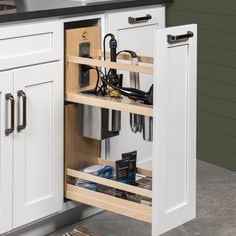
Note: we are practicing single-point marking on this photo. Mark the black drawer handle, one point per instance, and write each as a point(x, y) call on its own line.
point(179, 38)
point(22, 126)
point(137, 20)
point(10, 98)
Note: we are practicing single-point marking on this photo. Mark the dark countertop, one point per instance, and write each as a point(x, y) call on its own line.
point(35, 9)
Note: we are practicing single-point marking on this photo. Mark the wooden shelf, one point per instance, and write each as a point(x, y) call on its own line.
point(123, 104)
point(108, 64)
point(127, 57)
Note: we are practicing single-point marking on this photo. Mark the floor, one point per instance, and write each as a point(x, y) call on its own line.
point(216, 210)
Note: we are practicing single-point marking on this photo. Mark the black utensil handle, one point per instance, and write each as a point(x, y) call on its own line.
point(137, 20)
point(20, 127)
point(179, 38)
point(10, 98)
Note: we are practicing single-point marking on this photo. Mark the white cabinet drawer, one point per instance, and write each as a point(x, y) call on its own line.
point(30, 44)
point(121, 20)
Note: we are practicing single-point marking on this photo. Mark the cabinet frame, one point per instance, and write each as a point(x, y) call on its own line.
point(6, 154)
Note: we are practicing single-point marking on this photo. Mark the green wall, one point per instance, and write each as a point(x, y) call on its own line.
point(216, 75)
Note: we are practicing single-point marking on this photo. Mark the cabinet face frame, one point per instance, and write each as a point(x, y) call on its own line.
point(6, 151)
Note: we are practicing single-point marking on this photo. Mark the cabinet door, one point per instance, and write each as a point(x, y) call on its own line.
point(38, 144)
point(174, 162)
point(6, 87)
point(138, 37)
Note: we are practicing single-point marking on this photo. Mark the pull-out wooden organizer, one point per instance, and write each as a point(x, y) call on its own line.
point(174, 129)
point(81, 152)
point(97, 199)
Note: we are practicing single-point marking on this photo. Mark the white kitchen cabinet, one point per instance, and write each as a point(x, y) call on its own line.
point(31, 122)
point(138, 37)
point(6, 150)
point(173, 171)
point(38, 144)
point(32, 156)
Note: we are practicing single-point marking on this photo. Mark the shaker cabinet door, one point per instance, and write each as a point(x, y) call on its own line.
point(174, 159)
point(38, 144)
point(6, 144)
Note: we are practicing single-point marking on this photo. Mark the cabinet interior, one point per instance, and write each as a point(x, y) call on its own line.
point(81, 152)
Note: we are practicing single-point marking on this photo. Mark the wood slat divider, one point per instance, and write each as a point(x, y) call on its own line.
point(110, 183)
point(108, 64)
point(127, 57)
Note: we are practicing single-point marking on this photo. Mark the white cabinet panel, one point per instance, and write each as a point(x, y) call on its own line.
point(30, 44)
point(38, 149)
point(6, 145)
point(38, 142)
point(120, 20)
point(138, 37)
point(174, 162)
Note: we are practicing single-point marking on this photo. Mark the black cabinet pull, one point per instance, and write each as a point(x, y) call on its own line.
point(22, 126)
point(137, 20)
point(10, 98)
point(179, 38)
